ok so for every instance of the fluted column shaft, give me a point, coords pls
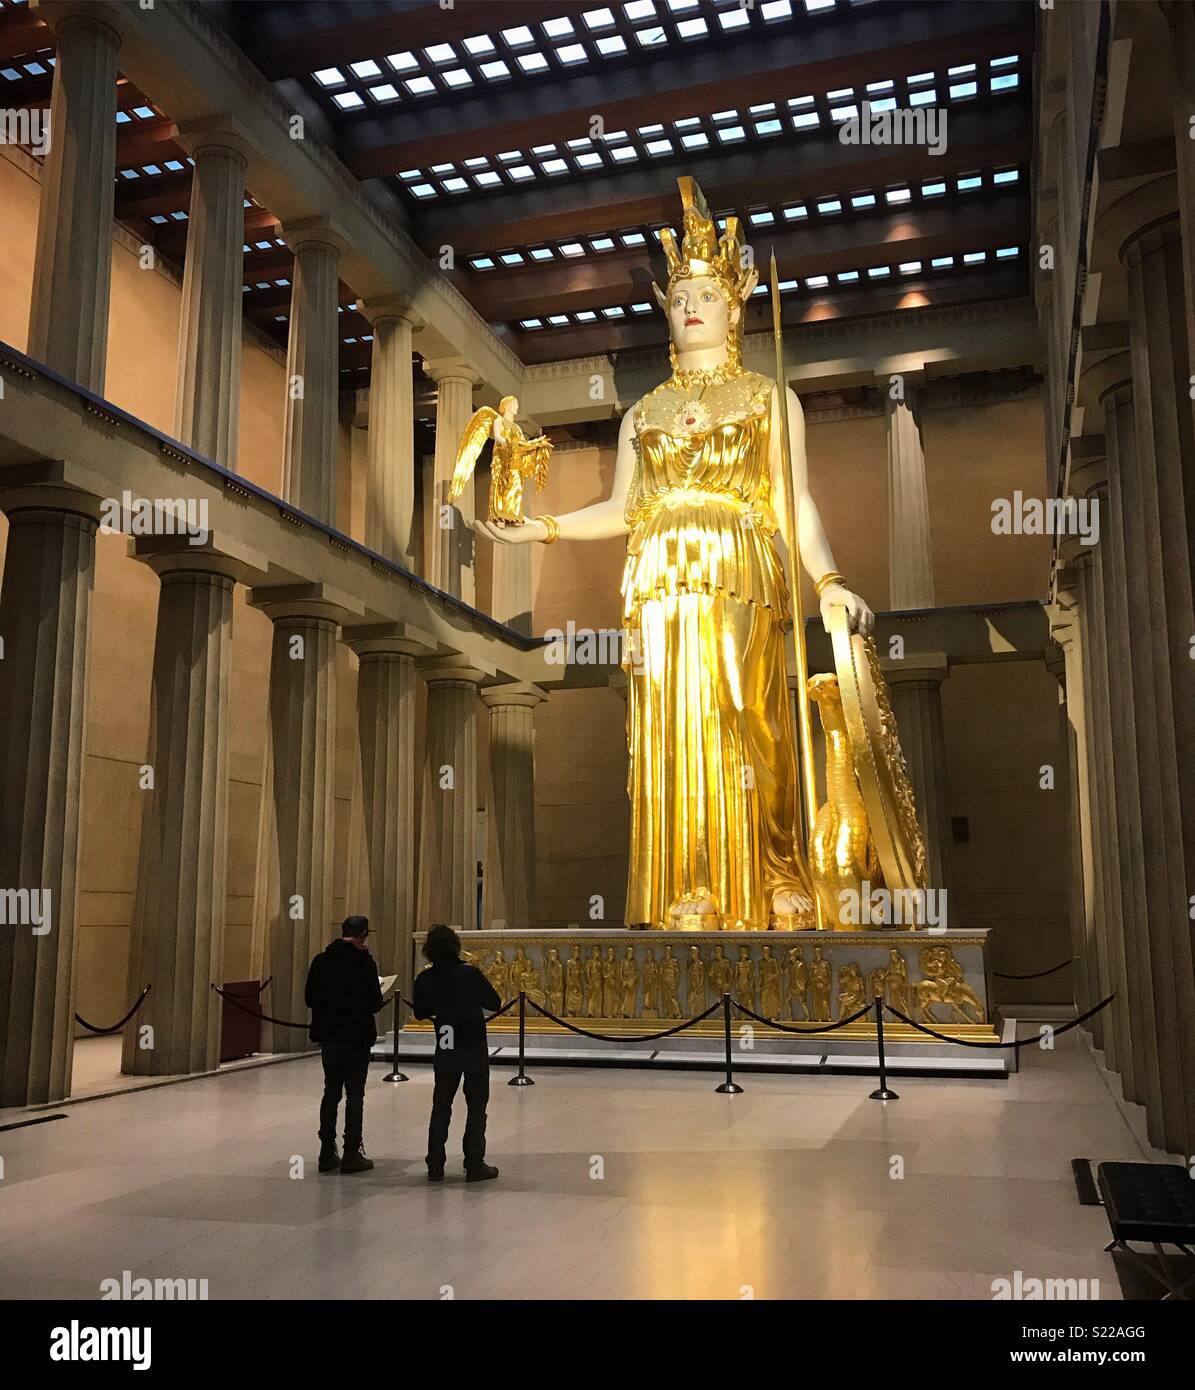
(68, 317)
(386, 702)
(209, 349)
(178, 924)
(303, 743)
(1160, 548)
(45, 618)
(510, 898)
(910, 554)
(452, 534)
(916, 690)
(390, 470)
(312, 399)
(448, 841)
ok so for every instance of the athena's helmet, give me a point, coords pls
(725, 259)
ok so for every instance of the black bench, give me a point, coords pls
(1153, 1204)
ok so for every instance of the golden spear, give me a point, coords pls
(804, 714)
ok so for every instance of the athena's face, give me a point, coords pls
(699, 315)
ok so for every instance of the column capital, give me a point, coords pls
(100, 16)
(925, 668)
(454, 670)
(313, 231)
(1105, 374)
(1088, 470)
(51, 497)
(389, 639)
(1121, 225)
(216, 132)
(520, 693)
(912, 374)
(399, 307)
(282, 601)
(451, 369)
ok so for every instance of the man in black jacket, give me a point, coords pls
(343, 995)
(453, 995)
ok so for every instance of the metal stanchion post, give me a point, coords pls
(394, 1074)
(883, 1093)
(522, 1079)
(728, 1087)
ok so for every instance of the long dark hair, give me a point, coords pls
(442, 944)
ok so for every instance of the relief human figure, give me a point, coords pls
(669, 979)
(851, 993)
(820, 977)
(769, 985)
(651, 985)
(628, 983)
(744, 978)
(695, 977)
(574, 984)
(554, 980)
(798, 983)
(721, 972)
(609, 984)
(593, 984)
(898, 981)
(499, 976)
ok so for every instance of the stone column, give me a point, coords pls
(210, 327)
(510, 898)
(68, 317)
(45, 616)
(303, 742)
(1064, 628)
(312, 370)
(390, 475)
(1091, 482)
(448, 850)
(177, 943)
(387, 695)
(916, 686)
(910, 553)
(452, 533)
(1163, 484)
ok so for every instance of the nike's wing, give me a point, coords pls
(477, 431)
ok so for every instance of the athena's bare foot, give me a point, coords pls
(786, 903)
(696, 906)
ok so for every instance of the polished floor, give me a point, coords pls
(615, 1184)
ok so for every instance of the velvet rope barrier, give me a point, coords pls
(1017, 1042)
(625, 1037)
(256, 1013)
(792, 1028)
(116, 1027)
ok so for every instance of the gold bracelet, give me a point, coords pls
(552, 526)
(830, 577)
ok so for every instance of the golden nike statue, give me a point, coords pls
(701, 494)
(515, 457)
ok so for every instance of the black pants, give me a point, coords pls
(346, 1067)
(472, 1062)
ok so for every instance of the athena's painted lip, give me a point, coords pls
(693, 319)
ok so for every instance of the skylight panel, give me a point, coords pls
(403, 62)
(598, 19)
(543, 149)
(441, 53)
(443, 168)
(692, 28)
(482, 263)
(479, 45)
(1005, 253)
(329, 77)
(572, 53)
(479, 162)
(942, 262)
(517, 36)
(615, 43)
(419, 86)
(615, 312)
(970, 183)
(129, 174)
(975, 257)
(658, 147)
(511, 258)
(807, 120)
(728, 134)
(122, 117)
(1006, 83)
(863, 200)
(776, 9)
(646, 130)
(934, 189)
(641, 308)
(386, 92)
(541, 253)
(532, 62)
(635, 10)
(144, 113)
(1006, 176)
(487, 179)
(521, 172)
(558, 28)
(816, 6)
(571, 248)
(366, 68)
(961, 70)
(408, 174)
(786, 286)
(531, 323)
(495, 70)
(817, 282)
(910, 267)
(650, 38)
(585, 316)
(157, 217)
(423, 190)
(349, 101)
(632, 238)
(557, 320)
(602, 243)
(509, 156)
(697, 141)
(623, 154)
(588, 161)
(457, 77)
(847, 277)
(958, 90)
(897, 195)
(844, 113)
(928, 97)
(878, 272)
(456, 185)
(554, 166)
(795, 212)
(734, 19)
(679, 7)
(883, 86)
(151, 169)
(771, 127)
(724, 116)
(828, 206)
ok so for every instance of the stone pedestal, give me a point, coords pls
(390, 476)
(303, 739)
(68, 319)
(178, 926)
(312, 371)
(452, 522)
(210, 329)
(510, 899)
(386, 703)
(45, 616)
(448, 849)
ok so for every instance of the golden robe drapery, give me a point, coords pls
(713, 769)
